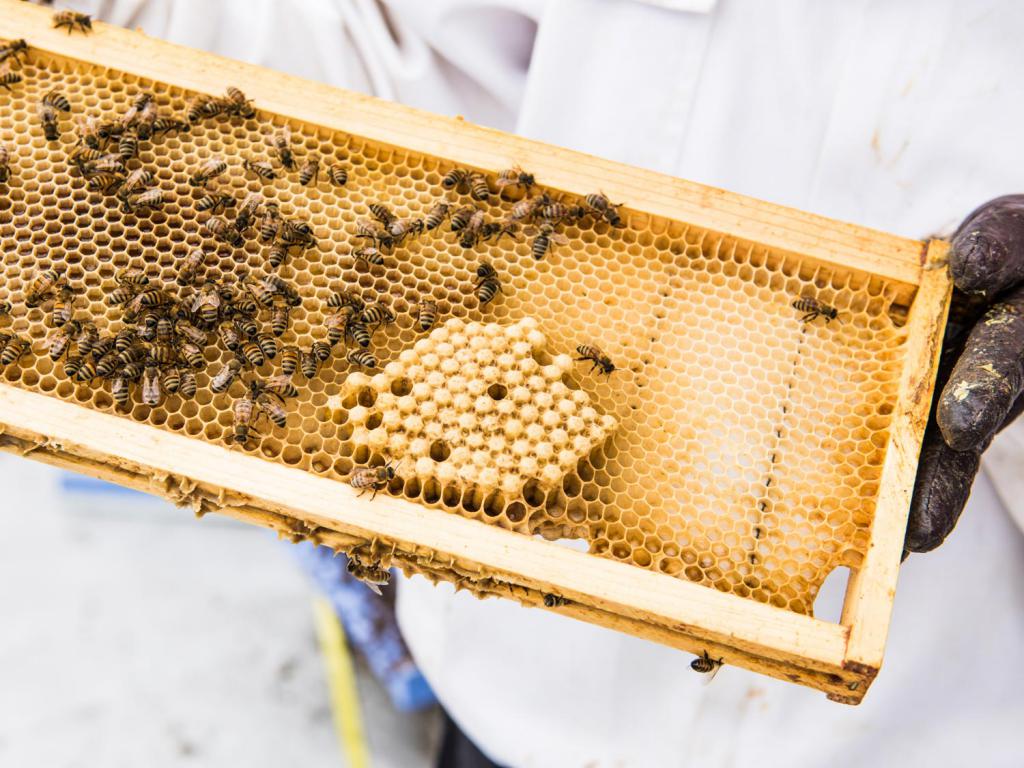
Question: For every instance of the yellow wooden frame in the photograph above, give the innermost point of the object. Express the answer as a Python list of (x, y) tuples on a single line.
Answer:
[(840, 659)]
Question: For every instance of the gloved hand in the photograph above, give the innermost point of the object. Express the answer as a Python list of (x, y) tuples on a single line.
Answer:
[(981, 373)]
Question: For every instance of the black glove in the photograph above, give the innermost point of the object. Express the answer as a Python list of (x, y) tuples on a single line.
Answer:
[(981, 372)]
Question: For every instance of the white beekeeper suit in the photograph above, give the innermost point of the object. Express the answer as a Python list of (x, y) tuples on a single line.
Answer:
[(901, 115)]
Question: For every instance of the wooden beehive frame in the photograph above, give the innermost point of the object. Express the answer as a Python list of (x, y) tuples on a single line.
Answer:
[(840, 659)]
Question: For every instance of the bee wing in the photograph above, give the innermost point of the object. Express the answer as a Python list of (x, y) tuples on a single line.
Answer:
[(711, 675), (374, 587), (560, 239)]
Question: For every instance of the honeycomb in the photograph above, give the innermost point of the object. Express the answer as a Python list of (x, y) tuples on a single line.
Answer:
[(480, 410), (747, 445)]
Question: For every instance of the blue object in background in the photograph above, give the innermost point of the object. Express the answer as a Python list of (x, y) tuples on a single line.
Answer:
[(370, 625)]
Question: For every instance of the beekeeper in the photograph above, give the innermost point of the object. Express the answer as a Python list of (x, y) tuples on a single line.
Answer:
[(904, 116)]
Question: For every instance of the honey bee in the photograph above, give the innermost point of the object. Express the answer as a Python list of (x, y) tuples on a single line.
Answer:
[(229, 335), (192, 354), (290, 356), (261, 168), (136, 277), (321, 350), (812, 309), (362, 357), (281, 385), (109, 163), (152, 390), (57, 100), (594, 355), (106, 183), (436, 216), (128, 146), (358, 331), (223, 231), (478, 188), (345, 299), (515, 177), (371, 478), (88, 129), (272, 407), (281, 141), (402, 228), (151, 198), (191, 266), (336, 324), (171, 380), (373, 576), (215, 203), (277, 255), (310, 172), (271, 222), (599, 204), (223, 379), (705, 665), (124, 339), (243, 415), (247, 327), (209, 170), (120, 389), (487, 285), (377, 314), (202, 106), (278, 287), (42, 285), (63, 306), (554, 601), (87, 339), (545, 238), (145, 118), (5, 308), (382, 213), (374, 231), (462, 217), (297, 233), (337, 175), (309, 365), (369, 255), (554, 212), (164, 125), (60, 340), (188, 331), (279, 315), (268, 344), (15, 49), (253, 353), (188, 384), (138, 179), (5, 164), (426, 314), (249, 210), (206, 304), (73, 20), (161, 353), (456, 178), (237, 104), (472, 230), (9, 78), (48, 117)]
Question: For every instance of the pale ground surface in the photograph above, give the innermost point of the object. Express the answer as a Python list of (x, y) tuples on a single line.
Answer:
[(133, 634)]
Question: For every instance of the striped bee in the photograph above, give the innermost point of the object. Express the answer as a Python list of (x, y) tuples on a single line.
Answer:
[(63, 306), (321, 350), (223, 379), (357, 330), (57, 100), (545, 238), (554, 212), (130, 276), (336, 324), (594, 355), (377, 314), (188, 386), (487, 284), (137, 180), (261, 168), (812, 309), (42, 285), (362, 358), (73, 20), (243, 416), (290, 356), (337, 175), (120, 389), (253, 353), (270, 404), (206, 304), (298, 233), (371, 478), (436, 216), (382, 213), (249, 211), (128, 146), (369, 255), (455, 178), (279, 317), (268, 344), (599, 204), (309, 365), (164, 125), (374, 231), (202, 106), (402, 228), (345, 298), (223, 231), (271, 222), (705, 665), (373, 576), (281, 141), (152, 390), (171, 380), (88, 129), (515, 177), (426, 314), (215, 203), (59, 342), (192, 354), (463, 216), (237, 104), (105, 183), (277, 255), (5, 164), (5, 308), (554, 601), (187, 331), (228, 333), (281, 385), (144, 117), (47, 117), (275, 286), (151, 198), (8, 78), (478, 188), (13, 49), (310, 172), (190, 267), (208, 171)]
